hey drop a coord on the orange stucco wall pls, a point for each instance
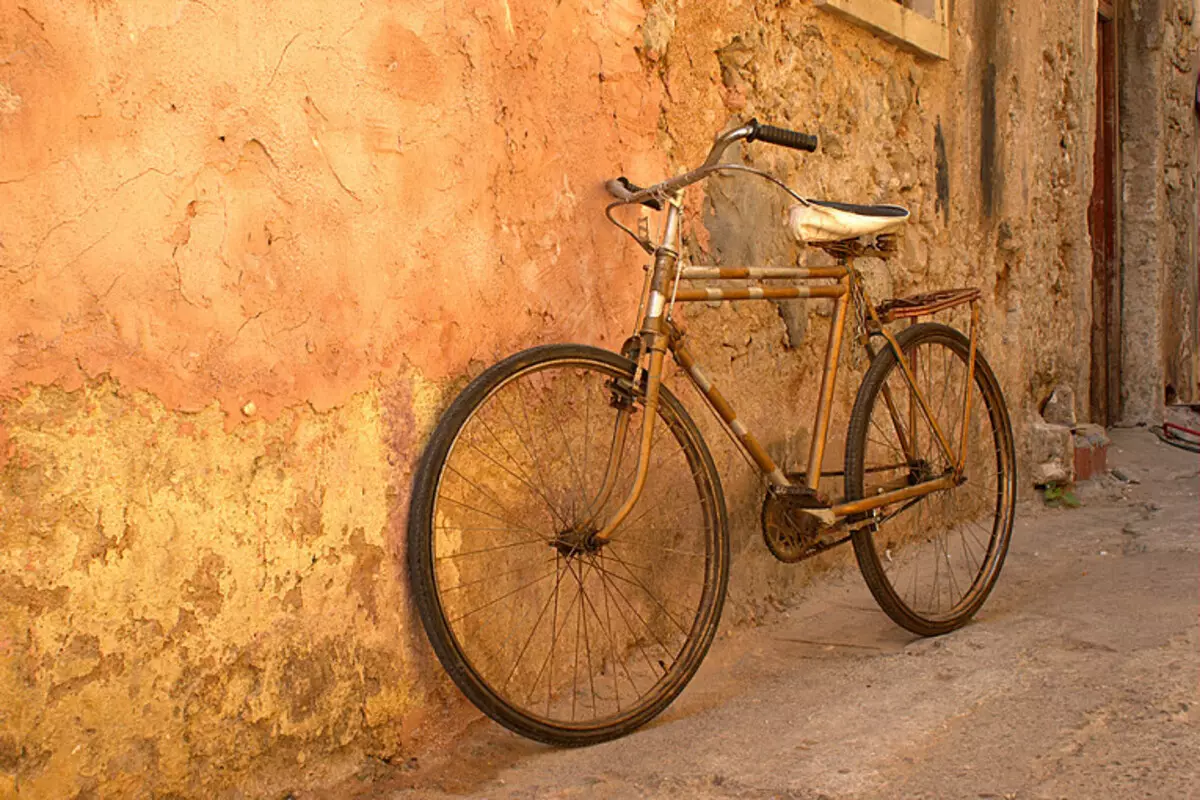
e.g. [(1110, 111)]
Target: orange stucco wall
[(249, 251), (272, 204)]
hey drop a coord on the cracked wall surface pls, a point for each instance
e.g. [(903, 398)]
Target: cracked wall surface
[(251, 251)]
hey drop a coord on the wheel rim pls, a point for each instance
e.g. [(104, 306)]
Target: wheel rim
[(555, 628), (938, 555)]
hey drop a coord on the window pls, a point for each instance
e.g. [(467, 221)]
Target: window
[(926, 8), (917, 24)]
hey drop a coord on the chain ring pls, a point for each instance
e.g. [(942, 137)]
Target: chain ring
[(789, 533)]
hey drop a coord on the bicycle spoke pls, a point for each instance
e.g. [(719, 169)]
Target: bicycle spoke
[(559, 519), (537, 633), (490, 578), (493, 516), (936, 552), (558, 423), (672, 550), (630, 524), (612, 641), (541, 542), (587, 649), (635, 639), (632, 581), (528, 447), (486, 495), (587, 439), (504, 596), (571, 459), (651, 595), (546, 661)]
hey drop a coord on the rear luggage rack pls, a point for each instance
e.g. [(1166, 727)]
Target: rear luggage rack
[(921, 304)]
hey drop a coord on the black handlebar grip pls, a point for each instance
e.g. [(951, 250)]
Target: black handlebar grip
[(782, 136)]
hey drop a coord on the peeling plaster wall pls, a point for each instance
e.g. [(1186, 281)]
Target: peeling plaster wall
[(251, 250), (179, 601)]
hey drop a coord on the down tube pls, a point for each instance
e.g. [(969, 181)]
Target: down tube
[(717, 402)]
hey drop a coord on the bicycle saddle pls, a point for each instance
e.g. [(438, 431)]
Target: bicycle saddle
[(826, 221)]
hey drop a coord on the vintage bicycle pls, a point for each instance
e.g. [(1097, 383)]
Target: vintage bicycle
[(568, 543)]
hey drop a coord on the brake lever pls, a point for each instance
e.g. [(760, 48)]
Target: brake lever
[(624, 189)]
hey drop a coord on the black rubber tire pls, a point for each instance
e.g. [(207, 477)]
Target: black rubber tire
[(864, 537), (422, 575)]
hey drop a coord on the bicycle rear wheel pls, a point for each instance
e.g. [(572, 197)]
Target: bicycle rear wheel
[(555, 637), (931, 562)]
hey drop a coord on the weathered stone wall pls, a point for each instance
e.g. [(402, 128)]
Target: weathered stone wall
[(1180, 174), (1158, 213), (251, 250)]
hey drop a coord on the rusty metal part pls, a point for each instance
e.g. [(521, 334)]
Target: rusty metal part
[(910, 379), (828, 381), (922, 304), (720, 406), (882, 246), (790, 531), (652, 331), (759, 293), (653, 385), (757, 273), (887, 498), (960, 462)]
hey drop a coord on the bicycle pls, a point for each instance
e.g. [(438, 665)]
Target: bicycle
[(568, 539)]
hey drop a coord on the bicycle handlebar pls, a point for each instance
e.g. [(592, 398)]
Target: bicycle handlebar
[(628, 193), (782, 136)]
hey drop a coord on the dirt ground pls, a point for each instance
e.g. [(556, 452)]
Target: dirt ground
[(1079, 679)]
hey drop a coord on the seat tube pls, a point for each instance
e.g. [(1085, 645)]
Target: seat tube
[(654, 334), (816, 452)]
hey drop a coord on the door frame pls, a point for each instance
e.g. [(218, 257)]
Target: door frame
[(1104, 227)]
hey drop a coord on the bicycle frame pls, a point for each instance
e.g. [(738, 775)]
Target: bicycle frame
[(659, 335)]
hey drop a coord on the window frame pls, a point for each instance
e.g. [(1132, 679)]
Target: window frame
[(928, 36)]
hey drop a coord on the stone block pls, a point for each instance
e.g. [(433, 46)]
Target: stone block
[(1053, 453), (1059, 408), (1091, 451)]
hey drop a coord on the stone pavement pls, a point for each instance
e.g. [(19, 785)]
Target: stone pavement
[(1077, 680)]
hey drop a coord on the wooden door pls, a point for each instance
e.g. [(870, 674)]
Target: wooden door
[(1102, 223)]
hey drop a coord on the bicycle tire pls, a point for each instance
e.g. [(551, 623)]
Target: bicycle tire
[(469, 663), (873, 546)]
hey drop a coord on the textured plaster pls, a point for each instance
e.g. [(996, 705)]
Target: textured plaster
[(214, 597), (1158, 225), (1180, 307), (250, 251), (336, 190)]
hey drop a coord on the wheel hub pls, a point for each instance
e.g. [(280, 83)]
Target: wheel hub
[(919, 472), (577, 541)]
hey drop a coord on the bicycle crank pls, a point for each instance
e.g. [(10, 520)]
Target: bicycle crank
[(791, 533)]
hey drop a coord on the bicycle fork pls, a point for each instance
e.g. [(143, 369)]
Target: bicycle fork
[(653, 333)]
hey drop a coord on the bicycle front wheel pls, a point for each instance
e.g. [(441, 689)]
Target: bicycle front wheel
[(931, 562), (549, 633)]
